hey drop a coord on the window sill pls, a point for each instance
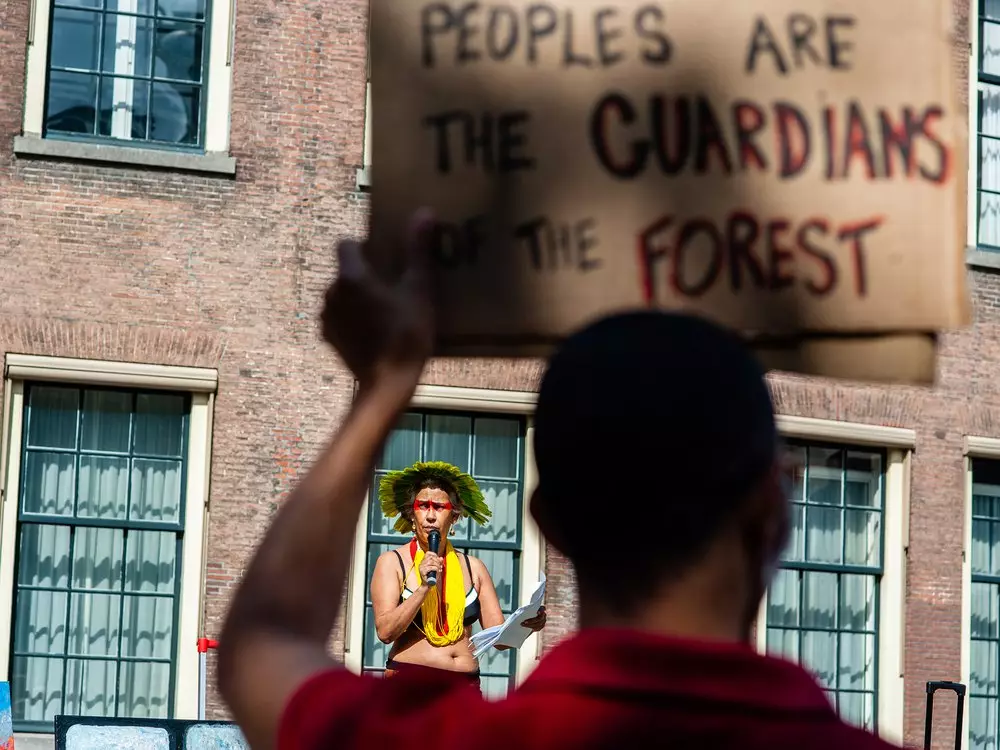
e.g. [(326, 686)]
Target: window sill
[(212, 163), (977, 257)]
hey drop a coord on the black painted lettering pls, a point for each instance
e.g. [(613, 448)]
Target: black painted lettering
[(671, 135), (466, 30), (441, 125), (513, 141), (781, 256), (743, 231), (530, 232), (709, 138), (855, 234), (897, 138), (837, 46), (586, 238), (801, 29), (794, 140), (607, 32), (824, 259), (749, 120), (657, 48), (502, 32), (571, 57), (615, 107), (435, 19), (830, 140), (689, 232), (652, 252), (858, 142), (763, 41), (940, 172), (541, 21)]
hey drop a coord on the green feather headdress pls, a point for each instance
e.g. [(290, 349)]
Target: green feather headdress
[(396, 490)]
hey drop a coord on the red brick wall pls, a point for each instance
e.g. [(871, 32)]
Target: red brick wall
[(161, 267)]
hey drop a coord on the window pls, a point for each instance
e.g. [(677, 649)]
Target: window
[(987, 124), (130, 72), (105, 469), (364, 174), (99, 551), (491, 448), (984, 614), (823, 605)]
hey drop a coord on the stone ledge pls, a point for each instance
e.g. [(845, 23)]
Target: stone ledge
[(982, 259), (211, 163)]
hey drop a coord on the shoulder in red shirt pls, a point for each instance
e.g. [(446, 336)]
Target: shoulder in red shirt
[(599, 689)]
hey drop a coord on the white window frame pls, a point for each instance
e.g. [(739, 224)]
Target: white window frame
[(201, 384), (898, 444), (448, 398), (988, 449), (218, 83)]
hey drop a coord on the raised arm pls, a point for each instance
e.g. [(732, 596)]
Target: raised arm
[(278, 625)]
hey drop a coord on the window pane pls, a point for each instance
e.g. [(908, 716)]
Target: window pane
[(159, 424), (824, 475), (783, 643), (783, 599), (156, 490), (857, 603), (820, 591), (497, 448), (857, 662), (402, 449), (93, 624), (989, 48), (500, 564), (147, 627), (503, 498), (864, 475), (824, 535), (103, 487), (72, 102), (982, 724), (982, 542), (143, 7), (377, 523), (44, 556), (127, 45), (495, 663), (52, 417), (796, 549), (40, 625), (91, 687), (49, 483), (75, 35), (106, 421), (178, 50), (151, 562), (449, 439), (97, 559), (819, 656), (193, 9), (36, 688), (984, 611), (124, 106), (863, 537), (983, 667), (175, 112), (145, 690), (375, 652)]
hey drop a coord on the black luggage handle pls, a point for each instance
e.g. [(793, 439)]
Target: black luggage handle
[(959, 689)]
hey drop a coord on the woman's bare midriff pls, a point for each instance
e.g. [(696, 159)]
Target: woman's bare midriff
[(413, 648)]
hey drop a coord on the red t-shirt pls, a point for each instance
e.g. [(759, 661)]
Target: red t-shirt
[(599, 689)]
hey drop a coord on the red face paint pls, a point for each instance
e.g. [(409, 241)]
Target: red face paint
[(426, 505)]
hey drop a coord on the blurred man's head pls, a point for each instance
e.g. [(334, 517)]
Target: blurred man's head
[(656, 445)]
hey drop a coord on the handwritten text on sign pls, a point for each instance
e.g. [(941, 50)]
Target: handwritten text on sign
[(678, 158)]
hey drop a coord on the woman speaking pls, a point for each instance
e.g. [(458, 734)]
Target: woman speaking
[(426, 600)]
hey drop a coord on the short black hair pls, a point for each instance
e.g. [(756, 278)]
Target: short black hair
[(663, 419)]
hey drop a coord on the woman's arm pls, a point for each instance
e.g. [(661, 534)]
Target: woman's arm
[(392, 618)]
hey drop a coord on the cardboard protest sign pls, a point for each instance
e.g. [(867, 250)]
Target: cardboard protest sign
[(786, 167)]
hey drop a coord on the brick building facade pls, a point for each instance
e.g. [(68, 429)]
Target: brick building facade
[(163, 275)]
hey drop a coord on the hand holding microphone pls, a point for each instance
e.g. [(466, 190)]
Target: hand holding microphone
[(433, 545)]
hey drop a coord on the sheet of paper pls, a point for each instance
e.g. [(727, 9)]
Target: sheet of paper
[(510, 633)]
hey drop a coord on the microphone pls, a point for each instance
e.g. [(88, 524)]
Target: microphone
[(433, 544)]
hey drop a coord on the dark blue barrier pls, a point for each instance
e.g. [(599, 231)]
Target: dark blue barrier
[(100, 733)]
